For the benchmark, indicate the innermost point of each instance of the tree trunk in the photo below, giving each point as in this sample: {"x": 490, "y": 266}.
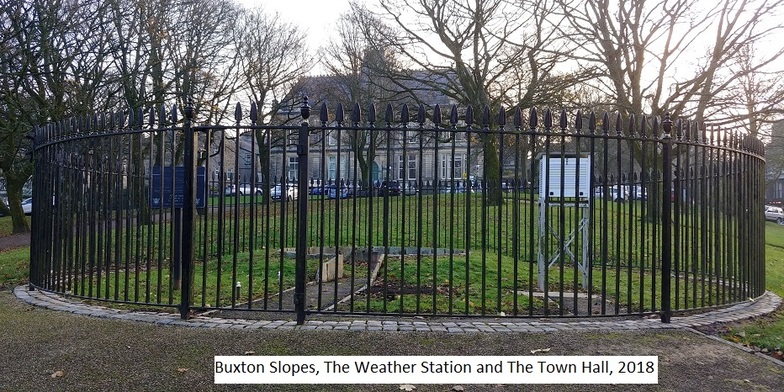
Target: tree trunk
{"x": 264, "y": 166}
{"x": 14, "y": 185}
{"x": 492, "y": 171}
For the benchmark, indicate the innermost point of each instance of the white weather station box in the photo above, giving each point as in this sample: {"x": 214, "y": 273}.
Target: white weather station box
{"x": 563, "y": 176}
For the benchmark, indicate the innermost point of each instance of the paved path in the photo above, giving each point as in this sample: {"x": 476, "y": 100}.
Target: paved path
{"x": 14, "y": 241}
{"x": 764, "y": 304}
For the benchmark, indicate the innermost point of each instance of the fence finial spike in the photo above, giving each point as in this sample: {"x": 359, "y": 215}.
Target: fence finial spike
{"x": 486, "y": 116}
{"x": 592, "y": 122}
{"x": 655, "y": 127}
{"x": 131, "y": 120}
{"x": 548, "y": 120}
{"x": 371, "y": 117}
{"x": 533, "y": 121}
{"x": 120, "y": 120}
{"x": 643, "y": 125}
{"x": 404, "y": 116}
{"x": 389, "y": 114}
{"x": 254, "y": 113}
{"x": 562, "y": 122}
{"x": 453, "y": 115}
{"x": 703, "y": 132}
{"x": 339, "y": 114}
{"x": 238, "y": 112}
{"x": 323, "y": 113}
{"x": 356, "y": 114}
{"x": 162, "y": 118}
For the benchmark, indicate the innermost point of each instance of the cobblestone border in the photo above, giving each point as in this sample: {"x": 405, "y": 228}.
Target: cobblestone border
{"x": 764, "y": 304}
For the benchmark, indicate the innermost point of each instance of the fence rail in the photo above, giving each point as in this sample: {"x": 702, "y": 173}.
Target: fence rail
{"x": 409, "y": 215}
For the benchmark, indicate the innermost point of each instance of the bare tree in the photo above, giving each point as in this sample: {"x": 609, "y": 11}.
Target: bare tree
{"x": 668, "y": 55}
{"x": 205, "y": 57}
{"x": 357, "y": 71}
{"x": 272, "y": 57}
{"x": 52, "y": 65}
{"x": 480, "y": 49}
{"x": 774, "y": 153}
{"x": 753, "y": 97}
{"x": 188, "y": 47}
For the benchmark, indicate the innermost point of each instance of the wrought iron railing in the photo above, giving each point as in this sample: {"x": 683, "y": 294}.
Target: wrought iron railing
{"x": 405, "y": 215}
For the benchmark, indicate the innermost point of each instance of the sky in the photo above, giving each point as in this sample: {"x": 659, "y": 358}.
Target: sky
{"x": 317, "y": 18}
{"x": 314, "y": 16}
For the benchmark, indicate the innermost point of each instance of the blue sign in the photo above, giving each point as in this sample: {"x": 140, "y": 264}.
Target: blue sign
{"x": 168, "y": 190}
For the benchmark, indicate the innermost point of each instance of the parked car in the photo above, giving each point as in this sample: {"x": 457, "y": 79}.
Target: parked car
{"x": 316, "y": 187}
{"x": 289, "y": 191}
{"x": 637, "y": 192}
{"x": 410, "y": 189}
{"x": 27, "y": 206}
{"x": 776, "y": 214}
{"x": 391, "y": 188}
{"x": 245, "y": 189}
{"x": 618, "y": 193}
{"x": 336, "y": 192}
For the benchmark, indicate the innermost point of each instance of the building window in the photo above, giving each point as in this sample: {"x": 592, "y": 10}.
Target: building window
{"x": 293, "y": 169}
{"x": 410, "y": 163}
{"x": 452, "y": 168}
{"x": 457, "y": 170}
{"x": 331, "y": 168}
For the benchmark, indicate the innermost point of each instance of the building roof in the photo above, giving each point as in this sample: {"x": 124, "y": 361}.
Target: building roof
{"x": 411, "y": 87}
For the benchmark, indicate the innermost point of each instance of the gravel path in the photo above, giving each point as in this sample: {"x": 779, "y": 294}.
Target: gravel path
{"x": 14, "y": 241}
{"x": 49, "y": 350}
{"x": 60, "y": 351}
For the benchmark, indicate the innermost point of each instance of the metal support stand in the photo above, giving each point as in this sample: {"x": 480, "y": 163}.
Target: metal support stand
{"x": 564, "y": 245}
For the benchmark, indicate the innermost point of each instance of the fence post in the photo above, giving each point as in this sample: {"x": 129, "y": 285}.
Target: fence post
{"x": 302, "y": 213}
{"x": 188, "y": 212}
{"x": 666, "y": 220}
{"x": 38, "y": 177}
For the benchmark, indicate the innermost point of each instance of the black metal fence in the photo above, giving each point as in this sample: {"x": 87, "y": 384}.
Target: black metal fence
{"x": 406, "y": 215}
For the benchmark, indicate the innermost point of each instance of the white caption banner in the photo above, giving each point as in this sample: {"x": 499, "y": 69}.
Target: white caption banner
{"x": 436, "y": 370}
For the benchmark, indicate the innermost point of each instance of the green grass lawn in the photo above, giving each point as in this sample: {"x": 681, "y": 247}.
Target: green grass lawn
{"x": 767, "y": 332}
{"x": 14, "y": 267}
{"x": 6, "y": 226}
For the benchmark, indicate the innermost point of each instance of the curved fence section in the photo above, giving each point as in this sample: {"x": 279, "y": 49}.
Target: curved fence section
{"x": 549, "y": 215}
